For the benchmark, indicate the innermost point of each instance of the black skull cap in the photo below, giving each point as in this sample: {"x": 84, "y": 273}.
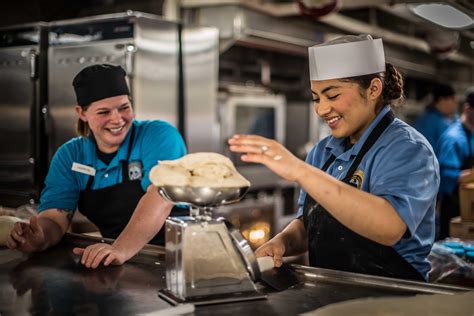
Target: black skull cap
{"x": 98, "y": 82}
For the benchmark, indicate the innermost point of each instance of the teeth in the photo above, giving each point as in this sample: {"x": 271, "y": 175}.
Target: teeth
{"x": 116, "y": 130}
{"x": 333, "y": 120}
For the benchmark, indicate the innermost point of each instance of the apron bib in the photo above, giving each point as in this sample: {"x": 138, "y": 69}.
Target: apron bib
{"x": 331, "y": 245}
{"x": 111, "y": 208}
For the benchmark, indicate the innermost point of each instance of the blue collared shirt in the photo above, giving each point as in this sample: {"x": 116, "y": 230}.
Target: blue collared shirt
{"x": 400, "y": 167}
{"x": 432, "y": 123}
{"x": 452, "y": 150}
{"x": 154, "y": 140}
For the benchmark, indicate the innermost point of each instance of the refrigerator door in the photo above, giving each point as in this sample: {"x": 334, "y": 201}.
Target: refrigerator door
{"x": 16, "y": 135}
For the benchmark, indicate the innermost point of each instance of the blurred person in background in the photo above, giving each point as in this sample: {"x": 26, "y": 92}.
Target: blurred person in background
{"x": 455, "y": 151}
{"x": 439, "y": 114}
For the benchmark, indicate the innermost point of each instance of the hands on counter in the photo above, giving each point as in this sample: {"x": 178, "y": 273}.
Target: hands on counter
{"x": 274, "y": 248}
{"x": 95, "y": 254}
{"x": 26, "y": 237}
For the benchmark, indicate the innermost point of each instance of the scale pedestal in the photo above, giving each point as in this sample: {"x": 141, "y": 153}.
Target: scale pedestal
{"x": 207, "y": 260}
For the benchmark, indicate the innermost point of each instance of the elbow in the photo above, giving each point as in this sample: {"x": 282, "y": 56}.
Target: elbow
{"x": 391, "y": 237}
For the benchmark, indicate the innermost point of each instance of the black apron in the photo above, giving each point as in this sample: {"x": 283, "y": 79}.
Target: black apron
{"x": 111, "y": 208}
{"x": 450, "y": 202}
{"x": 331, "y": 245}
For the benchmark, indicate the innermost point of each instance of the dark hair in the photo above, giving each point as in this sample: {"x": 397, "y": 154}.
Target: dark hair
{"x": 442, "y": 90}
{"x": 392, "y": 91}
{"x": 470, "y": 99}
{"x": 82, "y": 128}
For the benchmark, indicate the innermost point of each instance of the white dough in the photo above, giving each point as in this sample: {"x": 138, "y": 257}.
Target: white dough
{"x": 198, "y": 170}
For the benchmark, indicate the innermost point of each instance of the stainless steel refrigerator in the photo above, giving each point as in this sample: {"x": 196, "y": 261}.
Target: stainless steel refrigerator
{"x": 23, "y": 86}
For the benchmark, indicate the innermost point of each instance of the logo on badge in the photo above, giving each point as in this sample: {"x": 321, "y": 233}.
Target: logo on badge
{"x": 135, "y": 170}
{"x": 357, "y": 179}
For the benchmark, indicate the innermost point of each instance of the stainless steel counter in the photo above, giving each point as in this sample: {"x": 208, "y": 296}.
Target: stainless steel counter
{"x": 54, "y": 282}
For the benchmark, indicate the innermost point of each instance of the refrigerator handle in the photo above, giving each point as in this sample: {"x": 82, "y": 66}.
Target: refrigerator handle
{"x": 33, "y": 64}
{"x": 129, "y": 66}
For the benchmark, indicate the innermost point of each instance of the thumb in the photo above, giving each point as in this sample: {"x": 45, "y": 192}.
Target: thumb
{"x": 78, "y": 251}
{"x": 277, "y": 257}
{"x": 34, "y": 224}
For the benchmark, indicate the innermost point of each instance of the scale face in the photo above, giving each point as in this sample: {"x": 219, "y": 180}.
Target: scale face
{"x": 206, "y": 263}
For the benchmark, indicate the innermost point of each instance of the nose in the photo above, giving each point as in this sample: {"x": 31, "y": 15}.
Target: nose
{"x": 116, "y": 116}
{"x": 323, "y": 108}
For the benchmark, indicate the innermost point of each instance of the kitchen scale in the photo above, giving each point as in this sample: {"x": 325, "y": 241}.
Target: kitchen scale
{"x": 207, "y": 260}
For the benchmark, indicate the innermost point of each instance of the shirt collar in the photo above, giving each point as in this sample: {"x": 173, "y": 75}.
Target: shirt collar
{"x": 336, "y": 145}
{"x": 120, "y": 156}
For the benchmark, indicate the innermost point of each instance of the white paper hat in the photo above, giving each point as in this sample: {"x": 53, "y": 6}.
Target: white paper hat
{"x": 346, "y": 56}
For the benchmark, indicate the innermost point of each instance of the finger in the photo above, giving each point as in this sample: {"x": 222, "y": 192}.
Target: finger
{"x": 250, "y": 140}
{"x": 86, "y": 254}
{"x": 99, "y": 256}
{"x": 253, "y": 149}
{"x": 110, "y": 259}
{"x": 11, "y": 243}
{"x": 78, "y": 251}
{"x": 34, "y": 224}
{"x": 277, "y": 256}
{"x": 17, "y": 237}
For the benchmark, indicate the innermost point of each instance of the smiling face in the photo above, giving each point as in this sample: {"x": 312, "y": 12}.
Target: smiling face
{"x": 345, "y": 106}
{"x": 110, "y": 120}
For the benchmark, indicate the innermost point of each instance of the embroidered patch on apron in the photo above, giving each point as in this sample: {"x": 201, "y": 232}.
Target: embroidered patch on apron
{"x": 357, "y": 179}
{"x": 135, "y": 170}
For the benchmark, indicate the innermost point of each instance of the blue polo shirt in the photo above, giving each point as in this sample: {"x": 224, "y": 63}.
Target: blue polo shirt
{"x": 400, "y": 167}
{"x": 432, "y": 123}
{"x": 154, "y": 140}
{"x": 452, "y": 149}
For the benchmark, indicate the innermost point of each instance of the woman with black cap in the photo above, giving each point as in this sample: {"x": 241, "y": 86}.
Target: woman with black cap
{"x": 104, "y": 174}
{"x": 368, "y": 190}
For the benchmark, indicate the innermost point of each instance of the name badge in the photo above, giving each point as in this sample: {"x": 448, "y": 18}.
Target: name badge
{"x": 83, "y": 169}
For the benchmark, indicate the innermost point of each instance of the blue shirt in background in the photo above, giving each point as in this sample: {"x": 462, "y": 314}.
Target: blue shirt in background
{"x": 401, "y": 167}
{"x": 452, "y": 150}
{"x": 154, "y": 140}
{"x": 432, "y": 124}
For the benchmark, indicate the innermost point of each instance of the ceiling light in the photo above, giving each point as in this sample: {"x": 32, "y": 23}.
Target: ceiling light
{"x": 443, "y": 15}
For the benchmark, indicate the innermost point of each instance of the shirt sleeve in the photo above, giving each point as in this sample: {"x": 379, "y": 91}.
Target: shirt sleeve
{"x": 61, "y": 185}
{"x": 406, "y": 174}
{"x": 450, "y": 158}
{"x": 161, "y": 141}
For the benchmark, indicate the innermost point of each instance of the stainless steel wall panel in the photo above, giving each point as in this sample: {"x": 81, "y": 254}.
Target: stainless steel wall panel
{"x": 155, "y": 70}
{"x": 201, "y": 67}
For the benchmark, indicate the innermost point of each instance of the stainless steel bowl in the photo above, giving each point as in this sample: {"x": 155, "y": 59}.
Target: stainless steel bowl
{"x": 202, "y": 196}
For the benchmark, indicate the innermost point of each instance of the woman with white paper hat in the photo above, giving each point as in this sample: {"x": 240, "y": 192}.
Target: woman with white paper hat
{"x": 367, "y": 203}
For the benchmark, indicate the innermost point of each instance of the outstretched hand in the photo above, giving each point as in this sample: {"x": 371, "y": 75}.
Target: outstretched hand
{"x": 93, "y": 255}
{"x": 269, "y": 152}
{"x": 26, "y": 237}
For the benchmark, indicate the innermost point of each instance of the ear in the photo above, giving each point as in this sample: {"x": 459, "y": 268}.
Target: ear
{"x": 375, "y": 89}
{"x": 81, "y": 113}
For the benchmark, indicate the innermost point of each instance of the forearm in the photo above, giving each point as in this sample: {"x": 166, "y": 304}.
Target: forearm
{"x": 366, "y": 214}
{"x": 147, "y": 220}
{"x": 294, "y": 238}
{"x": 52, "y": 233}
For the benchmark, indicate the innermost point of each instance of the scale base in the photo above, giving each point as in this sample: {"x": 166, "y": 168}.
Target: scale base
{"x": 169, "y": 297}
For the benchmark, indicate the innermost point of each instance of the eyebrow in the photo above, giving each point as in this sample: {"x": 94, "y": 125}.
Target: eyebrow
{"x": 107, "y": 109}
{"x": 326, "y": 89}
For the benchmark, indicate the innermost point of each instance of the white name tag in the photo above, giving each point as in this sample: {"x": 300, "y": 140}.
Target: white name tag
{"x": 83, "y": 169}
